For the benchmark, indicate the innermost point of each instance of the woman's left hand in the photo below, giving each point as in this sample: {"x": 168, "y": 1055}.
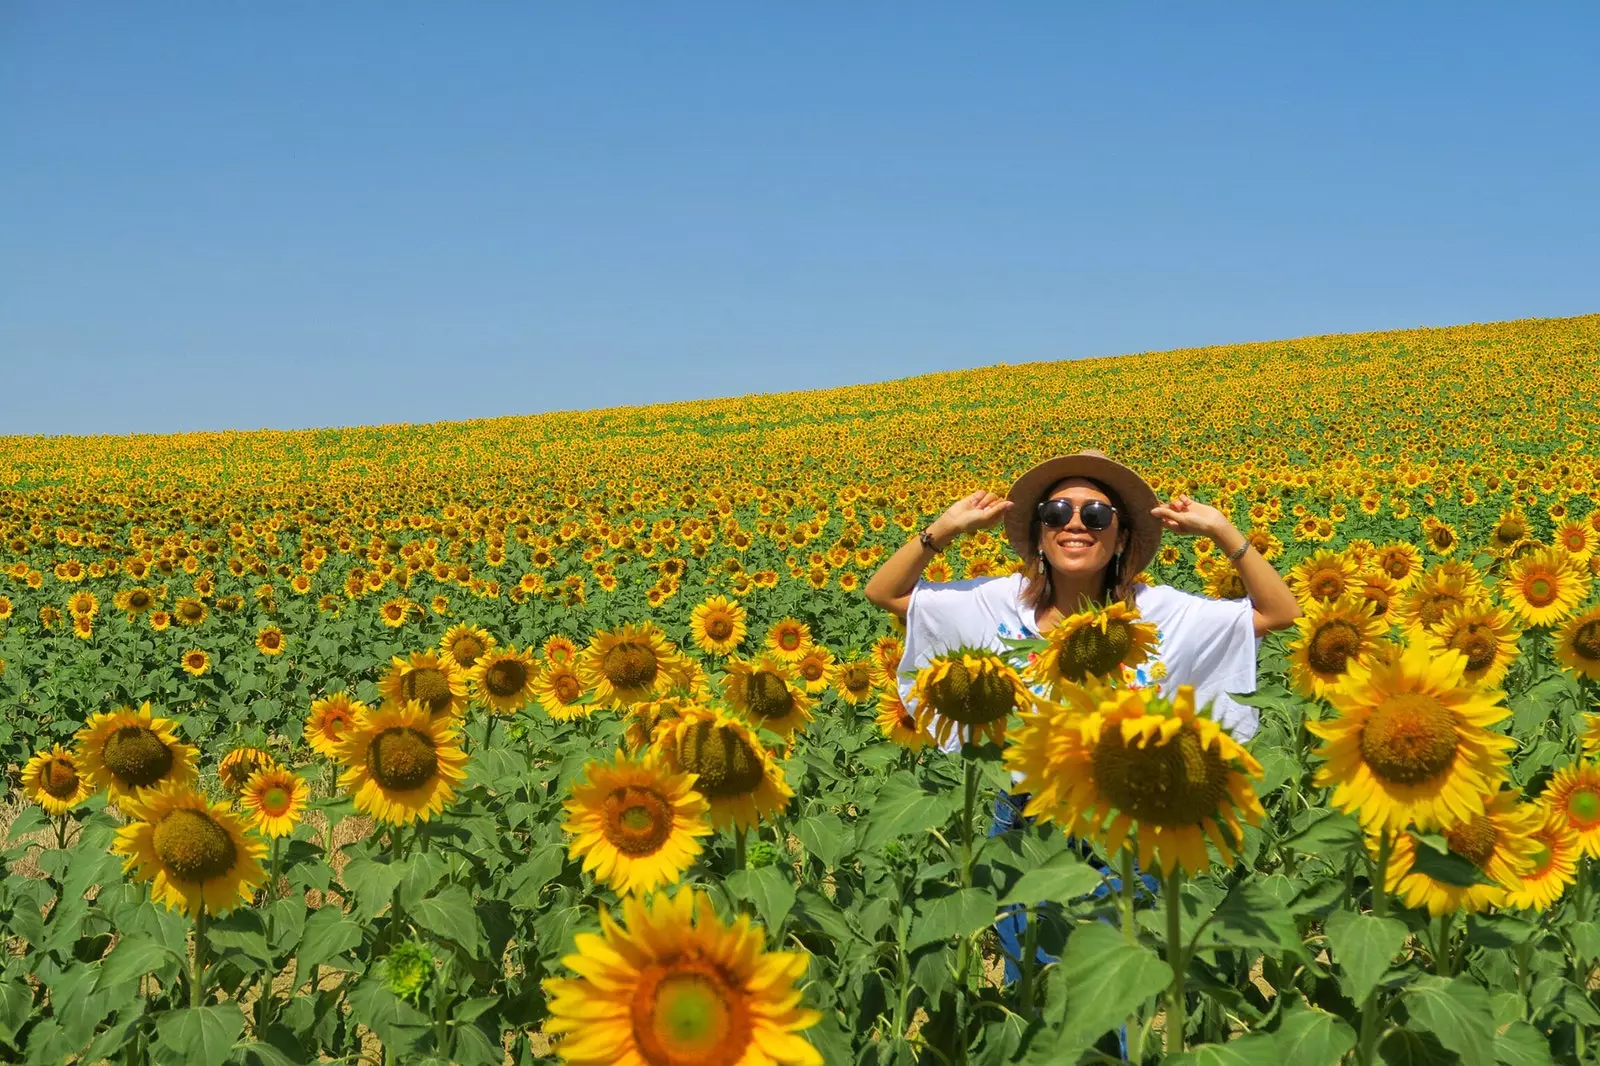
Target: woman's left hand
{"x": 1185, "y": 515}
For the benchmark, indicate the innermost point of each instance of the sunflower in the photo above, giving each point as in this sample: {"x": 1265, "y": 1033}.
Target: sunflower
{"x": 331, "y": 718}
{"x": 1378, "y": 589}
{"x": 1399, "y": 561}
{"x": 276, "y": 798}
{"x": 128, "y": 750}
{"x": 1334, "y": 634}
{"x": 766, "y": 691}
{"x": 1441, "y": 537}
{"x": 51, "y": 780}
{"x": 82, "y": 626}
{"x": 1574, "y": 793}
{"x": 465, "y": 644}
{"x": 635, "y": 823}
{"x": 1432, "y": 596}
{"x": 788, "y": 639}
{"x": 627, "y": 665}
{"x": 1577, "y": 644}
{"x": 135, "y": 601}
{"x": 1410, "y": 742}
{"x": 1093, "y": 643}
{"x": 1544, "y": 586}
{"x": 674, "y": 986}
{"x": 270, "y": 641}
{"x": 897, "y": 723}
{"x": 853, "y": 680}
{"x": 1499, "y": 842}
{"x": 239, "y": 765}
{"x": 395, "y": 612}
{"x": 736, "y": 775}
{"x": 160, "y": 620}
{"x": 558, "y": 649}
{"x": 404, "y": 762}
{"x": 887, "y": 651}
{"x": 1590, "y": 737}
{"x": 560, "y": 691}
{"x": 83, "y": 604}
{"x": 967, "y": 693}
{"x": 1510, "y": 529}
{"x": 189, "y": 611}
{"x": 1224, "y": 583}
{"x": 1485, "y": 634}
{"x": 196, "y": 662}
{"x": 197, "y": 853}
{"x": 1112, "y": 764}
{"x": 717, "y": 626}
{"x": 1555, "y": 862}
{"x": 1578, "y": 539}
{"x": 503, "y": 679}
{"x": 1323, "y": 576}
{"x": 433, "y": 680}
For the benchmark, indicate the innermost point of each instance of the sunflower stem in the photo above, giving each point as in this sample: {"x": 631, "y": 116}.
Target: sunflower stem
{"x": 1441, "y": 950}
{"x": 970, "y": 783}
{"x": 488, "y": 730}
{"x": 738, "y": 848}
{"x": 1380, "y": 894}
{"x": 1128, "y": 896}
{"x": 197, "y": 971}
{"x": 61, "y": 832}
{"x": 1030, "y": 960}
{"x": 1177, "y": 998}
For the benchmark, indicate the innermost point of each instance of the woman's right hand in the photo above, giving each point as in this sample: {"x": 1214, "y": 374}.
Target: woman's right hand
{"x": 978, "y": 511}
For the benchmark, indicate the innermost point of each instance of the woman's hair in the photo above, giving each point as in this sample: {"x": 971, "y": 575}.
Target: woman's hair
{"x": 1038, "y": 590}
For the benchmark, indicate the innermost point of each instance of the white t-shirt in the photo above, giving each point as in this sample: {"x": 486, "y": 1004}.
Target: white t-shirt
{"x": 1210, "y": 644}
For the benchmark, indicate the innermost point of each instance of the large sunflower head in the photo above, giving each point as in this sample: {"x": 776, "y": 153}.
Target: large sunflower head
{"x": 1121, "y": 765}
{"x": 627, "y": 665}
{"x": 128, "y": 750}
{"x": 135, "y": 601}
{"x": 1577, "y": 538}
{"x": 1577, "y": 644}
{"x": 275, "y": 798}
{"x": 718, "y": 626}
{"x": 1485, "y": 634}
{"x": 788, "y": 639}
{"x": 1399, "y": 561}
{"x": 195, "y": 662}
{"x": 1334, "y": 635}
{"x": 897, "y": 723}
{"x": 1323, "y": 576}
{"x": 560, "y": 691}
{"x": 433, "y": 680}
{"x": 968, "y": 692}
{"x": 1499, "y": 841}
{"x": 239, "y": 765}
{"x": 735, "y": 773}
{"x": 51, "y": 779}
{"x": 404, "y": 763}
{"x": 330, "y": 719}
{"x": 1378, "y": 589}
{"x": 1090, "y": 644}
{"x": 464, "y": 644}
{"x": 1434, "y": 595}
{"x": 766, "y": 691}
{"x": 503, "y": 679}
{"x": 197, "y": 854}
{"x": 1544, "y": 586}
{"x": 1410, "y": 741}
{"x": 1574, "y": 794}
{"x": 675, "y": 986}
{"x": 270, "y": 641}
{"x": 634, "y": 822}
{"x": 1555, "y": 862}
{"x": 853, "y": 680}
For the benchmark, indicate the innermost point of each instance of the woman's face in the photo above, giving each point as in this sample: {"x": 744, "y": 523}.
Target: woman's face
{"x": 1075, "y": 548}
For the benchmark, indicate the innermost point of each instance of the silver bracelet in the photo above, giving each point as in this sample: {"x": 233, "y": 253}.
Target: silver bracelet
{"x": 1238, "y": 553}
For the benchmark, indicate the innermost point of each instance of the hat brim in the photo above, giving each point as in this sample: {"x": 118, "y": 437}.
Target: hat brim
{"x": 1138, "y": 498}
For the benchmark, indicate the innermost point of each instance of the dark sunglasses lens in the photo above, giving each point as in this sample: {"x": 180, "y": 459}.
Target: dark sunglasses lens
{"x": 1097, "y": 514}
{"x": 1055, "y": 513}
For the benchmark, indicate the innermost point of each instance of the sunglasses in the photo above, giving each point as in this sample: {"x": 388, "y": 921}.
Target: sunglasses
{"x": 1096, "y": 514}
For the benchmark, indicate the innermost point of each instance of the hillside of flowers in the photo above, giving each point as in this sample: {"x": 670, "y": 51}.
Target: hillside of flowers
{"x": 572, "y": 738}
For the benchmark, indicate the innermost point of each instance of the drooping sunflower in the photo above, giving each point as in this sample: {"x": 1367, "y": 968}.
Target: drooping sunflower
{"x": 1121, "y": 765}
{"x": 198, "y": 854}
{"x": 1485, "y": 633}
{"x": 51, "y": 779}
{"x": 1410, "y": 741}
{"x": 404, "y": 762}
{"x": 239, "y": 765}
{"x": 1577, "y": 644}
{"x": 465, "y": 643}
{"x": 1509, "y": 530}
{"x": 435, "y": 681}
{"x": 1432, "y": 596}
{"x": 189, "y": 611}
{"x": 1093, "y": 643}
{"x": 1544, "y": 586}
{"x": 1499, "y": 842}
{"x": 627, "y": 665}
{"x": 897, "y": 723}
{"x": 1325, "y": 575}
{"x": 736, "y": 775}
{"x": 788, "y": 639}
{"x": 503, "y": 679}
{"x": 674, "y": 986}
{"x": 127, "y": 750}
{"x": 196, "y": 662}
{"x": 270, "y": 641}
{"x": 853, "y": 680}
{"x": 560, "y": 691}
{"x": 331, "y": 718}
{"x": 967, "y": 693}
{"x": 1555, "y": 862}
{"x": 766, "y": 691}
{"x": 635, "y": 823}
{"x": 718, "y": 626}
{"x": 1574, "y": 793}
{"x": 1334, "y": 634}
{"x": 276, "y": 798}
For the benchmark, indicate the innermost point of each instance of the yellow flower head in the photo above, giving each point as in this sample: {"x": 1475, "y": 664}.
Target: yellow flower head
{"x": 276, "y": 798}
{"x": 404, "y": 763}
{"x": 560, "y": 691}
{"x": 1555, "y": 862}
{"x": 717, "y": 626}
{"x": 465, "y": 644}
{"x": 330, "y": 719}
{"x": 968, "y": 692}
{"x": 741, "y": 781}
{"x": 1577, "y": 644}
{"x": 635, "y": 823}
{"x": 51, "y": 779}
{"x": 1574, "y": 793}
{"x": 1544, "y": 586}
{"x": 239, "y": 765}
{"x": 432, "y": 680}
{"x": 853, "y": 680}
{"x": 503, "y": 679}
{"x": 766, "y": 691}
{"x": 1484, "y": 633}
{"x": 1499, "y": 842}
{"x": 128, "y": 750}
{"x": 1334, "y": 635}
{"x": 631, "y": 664}
{"x": 1096, "y": 643}
{"x": 898, "y": 724}
{"x": 196, "y": 853}
{"x": 788, "y": 639}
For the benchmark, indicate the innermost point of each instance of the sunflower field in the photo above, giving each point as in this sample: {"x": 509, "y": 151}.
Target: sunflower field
{"x": 571, "y": 738}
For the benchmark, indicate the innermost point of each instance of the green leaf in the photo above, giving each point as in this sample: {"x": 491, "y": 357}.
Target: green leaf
{"x": 901, "y": 807}
{"x": 132, "y": 958}
{"x": 1522, "y": 1045}
{"x": 1256, "y": 1049}
{"x": 241, "y": 937}
{"x": 1105, "y": 979}
{"x": 1063, "y": 878}
{"x": 1585, "y": 941}
{"x": 959, "y": 913}
{"x": 824, "y": 835}
{"x": 1434, "y": 859}
{"x": 450, "y": 915}
{"x": 1458, "y": 1012}
{"x": 372, "y": 884}
{"x": 1312, "y": 1037}
{"x": 31, "y": 820}
{"x": 328, "y": 934}
{"x": 1325, "y": 834}
{"x": 768, "y": 890}
{"x": 1251, "y": 916}
{"x": 1363, "y": 946}
{"x": 265, "y": 1054}
{"x": 398, "y": 1024}
{"x": 199, "y": 1036}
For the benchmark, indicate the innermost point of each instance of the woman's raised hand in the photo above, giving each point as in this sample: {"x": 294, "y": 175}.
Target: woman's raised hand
{"x": 981, "y": 509}
{"x": 1183, "y": 514}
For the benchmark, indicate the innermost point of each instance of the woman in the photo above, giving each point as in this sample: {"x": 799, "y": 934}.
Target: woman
{"x": 1085, "y": 527}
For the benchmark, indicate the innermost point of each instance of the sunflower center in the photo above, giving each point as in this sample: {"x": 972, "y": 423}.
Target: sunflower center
{"x": 334, "y": 722}
{"x": 637, "y": 820}
{"x": 505, "y": 678}
{"x": 427, "y": 685}
{"x": 1093, "y": 652}
{"x": 402, "y": 758}
{"x": 1442, "y": 537}
{"x": 235, "y": 774}
{"x": 275, "y": 801}
{"x": 1543, "y": 857}
{"x": 630, "y": 665}
{"x": 812, "y": 669}
{"x": 1477, "y": 643}
{"x": 1410, "y": 738}
{"x": 1510, "y": 530}
{"x": 719, "y": 627}
{"x": 139, "y": 600}
{"x": 467, "y": 649}
{"x": 137, "y": 756}
{"x": 1539, "y": 590}
{"x": 1173, "y": 784}
{"x": 1332, "y": 646}
{"x": 789, "y": 640}
{"x": 1397, "y": 567}
{"x": 1326, "y": 585}
{"x": 1584, "y": 808}
{"x": 727, "y": 765}
{"x": 857, "y": 678}
{"x": 1434, "y": 607}
{"x": 1473, "y": 840}
{"x": 60, "y": 779}
{"x": 972, "y": 699}
{"x": 192, "y": 847}
{"x": 567, "y": 688}
{"x": 190, "y": 611}
{"x": 686, "y": 1013}
{"x": 769, "y": 695}
{"x": 1586, "y": 641}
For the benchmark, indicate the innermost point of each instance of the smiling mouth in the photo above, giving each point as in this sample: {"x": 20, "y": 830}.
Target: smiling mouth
{"x": 1075, "y": 544}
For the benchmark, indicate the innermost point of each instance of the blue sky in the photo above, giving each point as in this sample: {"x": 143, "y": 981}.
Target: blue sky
{"x": 221, "y": 216}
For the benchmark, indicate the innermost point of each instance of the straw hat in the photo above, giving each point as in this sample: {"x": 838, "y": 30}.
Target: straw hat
{"x": 1137, "y": 500}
